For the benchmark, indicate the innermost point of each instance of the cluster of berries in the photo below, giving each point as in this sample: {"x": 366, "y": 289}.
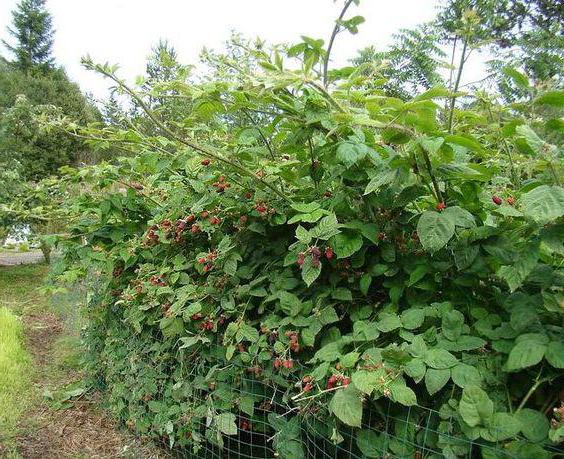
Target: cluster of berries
{"x": 315, "y": 256}
{"x": 294, "y": 344}
{"x": 221, "y": 185}
{"x": 337, "y": 380}
{"x": 286, "y": 363}
{"x": 307, "y": 384}
{"x": 261, "y": 208}
{"x": 499, "y": 201}
{"x": 136, "y": 186}
{"x": 157, "y": 280}
{"x": 118, "y": 271}
{"x": 207, "y": 261}
{"x": 152, "y": 237}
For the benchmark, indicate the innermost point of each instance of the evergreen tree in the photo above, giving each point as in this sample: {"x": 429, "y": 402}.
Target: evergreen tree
{"x": 33, "y": 33}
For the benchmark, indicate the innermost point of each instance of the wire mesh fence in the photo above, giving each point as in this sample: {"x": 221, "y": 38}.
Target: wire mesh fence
{"x": 271, "y": 424}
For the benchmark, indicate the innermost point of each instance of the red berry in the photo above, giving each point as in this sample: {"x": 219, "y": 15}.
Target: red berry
{"x": 261, "y": 209}
{"x": 345, "y": 381}
{"x": 288, "y": 363}
{"x": 194, "y": 229}
{"x": 329, "y": 253}
{"x": 327, "y": 194}
{"x": 510, "y": 200}
{"x": 307, "y": 379}
{"x": 301, "y": 259}
{"x": 381, "y": 236}
{"x": 207, "y": 268}
{"x": 201, "y": 260}
{"x": 206, "y": 162}
{"x": 248, "y": 195}
{"x": 441, "y": 206}
{"x": 315, "y": 252}
{"x": 215, "y": 220}
{"x": 190, "y": 218}
{"x": 497, "y": 200}
{"x": 277, "y": 363}
{"x": 308, "y": 387}
{"x": 204, "y": 214}
{"x": 243, "y": 218}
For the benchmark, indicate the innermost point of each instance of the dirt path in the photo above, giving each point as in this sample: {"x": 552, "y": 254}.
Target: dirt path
{"x": 81, "y": 431}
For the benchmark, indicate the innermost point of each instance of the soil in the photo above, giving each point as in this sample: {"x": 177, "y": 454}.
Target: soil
{"x": 82, "y": 431}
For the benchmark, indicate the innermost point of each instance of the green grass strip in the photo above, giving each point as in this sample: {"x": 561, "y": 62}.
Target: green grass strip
{"x": 15, "y": 374}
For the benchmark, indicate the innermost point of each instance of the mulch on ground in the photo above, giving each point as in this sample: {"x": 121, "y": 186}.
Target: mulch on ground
{"x": 79, "y": 431}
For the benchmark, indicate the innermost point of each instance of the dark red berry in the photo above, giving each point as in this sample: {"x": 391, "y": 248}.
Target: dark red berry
{"x": 206, "y": 162}
{"x": 441, "y": 206}
{"x": 497, "y": 200}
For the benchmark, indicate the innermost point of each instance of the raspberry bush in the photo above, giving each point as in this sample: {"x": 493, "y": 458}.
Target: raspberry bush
{"x": 338, "y": 246}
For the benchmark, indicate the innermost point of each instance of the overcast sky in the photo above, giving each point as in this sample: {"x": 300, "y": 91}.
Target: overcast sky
{"x": 123, "y": 31}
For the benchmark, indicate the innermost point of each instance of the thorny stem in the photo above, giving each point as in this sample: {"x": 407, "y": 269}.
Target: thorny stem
{"x": 457, "y": 84}
{"x": 336, "y": 30}
{"x": 438, "y": 193}
{"x": 207, "y": 151}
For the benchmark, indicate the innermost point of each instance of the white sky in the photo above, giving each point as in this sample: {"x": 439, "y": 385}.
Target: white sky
{"x": 123, "y": 31}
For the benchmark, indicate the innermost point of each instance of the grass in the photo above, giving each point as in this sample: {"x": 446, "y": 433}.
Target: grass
{"x": 15, "y": 375}
{"x": 22, "y": 298}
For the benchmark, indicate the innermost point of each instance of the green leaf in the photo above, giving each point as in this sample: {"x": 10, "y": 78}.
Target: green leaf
{"x": 349, "y": 153}
{"x": 388, "y": 322}
{"x": 309, "y": 271}
{"x": 552, "y": 98}
{"x": 435, "y": 380}
{"x": 464, "y": 375}
{"x": 501, "y": 427}
{"x": 534, "y": 424}
{"x": 452, "y": 324}
{"x": 367, "y": 381}
{"x": 434, "y": 230}
{"x": 384, "y": 178}
{"x": 306, "y": 208}
{"x": 400, "y": 393}
{"x": 440, "y": 359}
{"x": 247, "y": 405}
{"x": 520, "y": 79}
{"x": 544, "y": 203}
{"x": 364, "y": 283}
{"x": 431, "y": 144}
{"x": 370, "y": 443}
{"x": 412, "y": 318}
{"x": 346, "y": 404}
{"x": 525, "y": 354}
{"x": 555, "y": 354}
{"x": 475, "y": 406}
{"x": 326, "y": 228}
{"x": 415, "y": 369}
{"x": 346, "y": 243}
{"x": 225, "y": 423}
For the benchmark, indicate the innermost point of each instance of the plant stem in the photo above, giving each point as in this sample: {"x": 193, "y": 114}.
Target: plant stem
{"x": 438, "y": 193}
{"x": 336, "y": 30}
{"x": 205, "y": 150}
{"x": 457, "y": 83}
{"x": 532, "y": 390}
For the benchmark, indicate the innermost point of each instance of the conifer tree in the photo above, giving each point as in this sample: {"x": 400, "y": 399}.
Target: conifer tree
{"x": 32, "y": 31}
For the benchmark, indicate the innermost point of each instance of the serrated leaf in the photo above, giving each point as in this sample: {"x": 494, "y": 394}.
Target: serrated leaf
{"x": 225, "y": 423}
{"x": 544, "y": 203}
{"x": 383, "y": 178}
{"x": 555, "y": 354}
{"x": 346, "y": 243}
{"x": 346, "y": 404}
{"x": 464, "y": 375}
{"x": 475, "y": 406}
{"x": 435, "y": 379}
{"x": 370, "y": 443}
{"x": 434, "y": 230}
{"x": 440, "y": 359}
{"x": 310, "y": 272}
{"x": 525, "y": 354}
